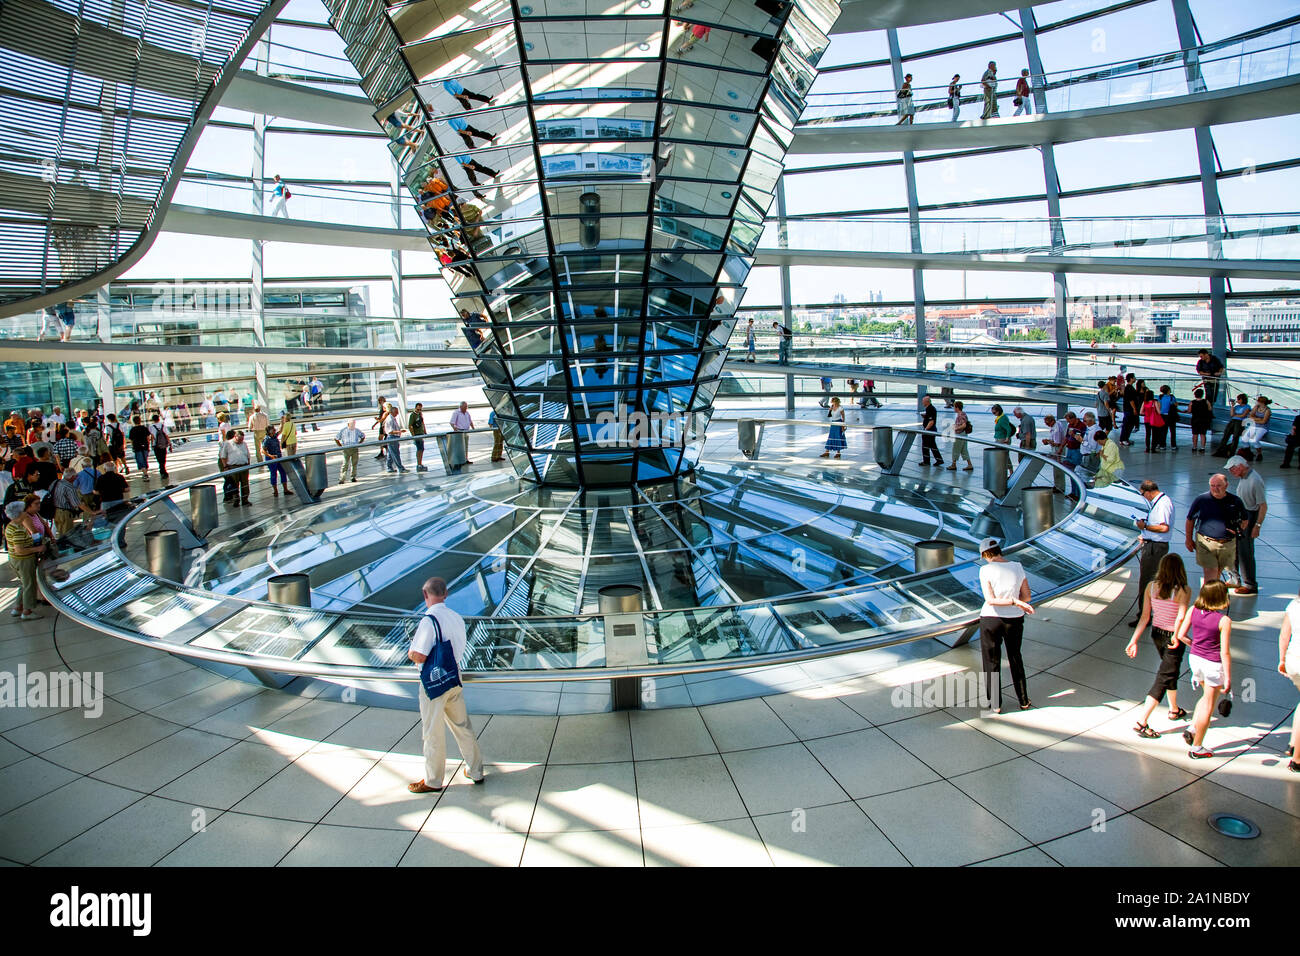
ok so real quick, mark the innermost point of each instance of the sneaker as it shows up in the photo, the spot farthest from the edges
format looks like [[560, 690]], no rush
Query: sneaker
[[15, 613], [421, 467], [1244, 589], [29, 616], [1196, 754]]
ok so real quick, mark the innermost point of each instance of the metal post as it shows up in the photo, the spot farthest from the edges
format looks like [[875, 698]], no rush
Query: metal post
[[1039, 509], [203, 509], [163, 554], [747, 437], [995, 471], [882, 446], [318, 478], [293, 590], [932, 555], [624, 640]]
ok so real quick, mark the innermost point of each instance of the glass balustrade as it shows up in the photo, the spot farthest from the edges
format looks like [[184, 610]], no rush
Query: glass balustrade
[[1267, 56], [517, 555]]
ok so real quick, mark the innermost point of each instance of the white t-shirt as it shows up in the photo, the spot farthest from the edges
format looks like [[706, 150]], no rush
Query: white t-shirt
[[453, 629], [1002, 578], [1293, 649], [1162, 512]]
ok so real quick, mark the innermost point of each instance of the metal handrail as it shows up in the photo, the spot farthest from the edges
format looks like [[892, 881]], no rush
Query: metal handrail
[[602, 673]]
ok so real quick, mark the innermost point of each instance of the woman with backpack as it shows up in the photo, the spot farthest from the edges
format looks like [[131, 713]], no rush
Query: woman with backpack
[[961, 427], [117, 445]]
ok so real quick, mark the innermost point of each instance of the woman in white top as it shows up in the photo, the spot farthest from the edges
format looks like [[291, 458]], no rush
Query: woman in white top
[[1288, 664], [1002, 621], [1256, 428], [906, 111]]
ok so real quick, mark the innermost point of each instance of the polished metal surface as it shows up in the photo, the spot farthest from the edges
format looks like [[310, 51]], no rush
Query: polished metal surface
[[1038, 506], [931, 555], [293, 590], [163, 554]]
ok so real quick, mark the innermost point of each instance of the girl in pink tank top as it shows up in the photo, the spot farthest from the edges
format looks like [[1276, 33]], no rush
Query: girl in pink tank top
[[1164, 606]]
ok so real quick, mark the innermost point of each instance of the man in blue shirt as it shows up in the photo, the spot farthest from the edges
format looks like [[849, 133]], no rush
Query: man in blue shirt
[[462, 95], [1214, 521], [467, 132]]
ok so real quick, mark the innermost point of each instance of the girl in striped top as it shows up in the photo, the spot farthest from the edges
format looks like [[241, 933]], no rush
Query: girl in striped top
[[1164, 605]]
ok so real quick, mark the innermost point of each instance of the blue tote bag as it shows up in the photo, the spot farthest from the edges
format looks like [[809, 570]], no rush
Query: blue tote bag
[[439, 672]]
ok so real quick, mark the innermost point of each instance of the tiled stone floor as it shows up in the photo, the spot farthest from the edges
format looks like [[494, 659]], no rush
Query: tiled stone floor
[[186, 768]]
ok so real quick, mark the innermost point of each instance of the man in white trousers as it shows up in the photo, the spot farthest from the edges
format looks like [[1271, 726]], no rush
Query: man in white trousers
[[451, 705]]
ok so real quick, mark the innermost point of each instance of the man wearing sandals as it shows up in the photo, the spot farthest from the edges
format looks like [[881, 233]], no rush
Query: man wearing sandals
[[450, 707]]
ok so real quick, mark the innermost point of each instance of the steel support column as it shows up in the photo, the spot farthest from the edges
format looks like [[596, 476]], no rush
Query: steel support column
[[1205, 158], [1052, 187], [914, 221], [258, 275], [787, 309]]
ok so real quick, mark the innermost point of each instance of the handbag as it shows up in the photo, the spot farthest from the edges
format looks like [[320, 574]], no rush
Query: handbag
[[439, 673]]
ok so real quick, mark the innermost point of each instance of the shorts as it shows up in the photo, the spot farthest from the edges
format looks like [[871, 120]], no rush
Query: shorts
[[1216, 554], [1209, 673]]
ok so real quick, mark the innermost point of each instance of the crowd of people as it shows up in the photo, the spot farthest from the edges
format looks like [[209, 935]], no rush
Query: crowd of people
[[1221, 528]]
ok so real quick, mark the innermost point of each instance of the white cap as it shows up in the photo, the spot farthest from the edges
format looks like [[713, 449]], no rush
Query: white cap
[[988, 543], [1236, 461]]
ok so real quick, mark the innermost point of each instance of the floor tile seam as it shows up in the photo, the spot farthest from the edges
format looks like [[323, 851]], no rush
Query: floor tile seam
[[537, 799], [86, 830], [92, 772], [1127, 811], [54, 636], [731, 778], [90, 776]]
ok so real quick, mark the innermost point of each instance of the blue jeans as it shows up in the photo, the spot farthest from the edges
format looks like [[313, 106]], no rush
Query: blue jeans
[[277, 472], [142, 459], [395, 457], [210, 422]]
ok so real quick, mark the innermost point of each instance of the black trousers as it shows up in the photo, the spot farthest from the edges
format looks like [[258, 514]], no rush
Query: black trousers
[[1149, 559], [1130, 422], [160, 456], [1231, 433], [928, 448], [1291, 442], [1246, 551], [1171, 663], [994, 632]]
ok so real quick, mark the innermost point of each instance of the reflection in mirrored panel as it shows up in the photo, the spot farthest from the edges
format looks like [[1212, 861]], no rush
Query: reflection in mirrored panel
[[594, 178]]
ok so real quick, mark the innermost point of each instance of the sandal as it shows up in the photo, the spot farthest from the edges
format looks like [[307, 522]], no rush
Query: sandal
[[421, 787], [1178, 714], [1145, 731]]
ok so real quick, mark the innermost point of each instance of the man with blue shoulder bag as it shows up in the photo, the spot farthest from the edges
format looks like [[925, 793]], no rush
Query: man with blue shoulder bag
[[438, 647]]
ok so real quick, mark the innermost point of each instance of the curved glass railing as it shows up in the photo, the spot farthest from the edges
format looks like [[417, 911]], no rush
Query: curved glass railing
[[1269, 55], [106, 589]]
